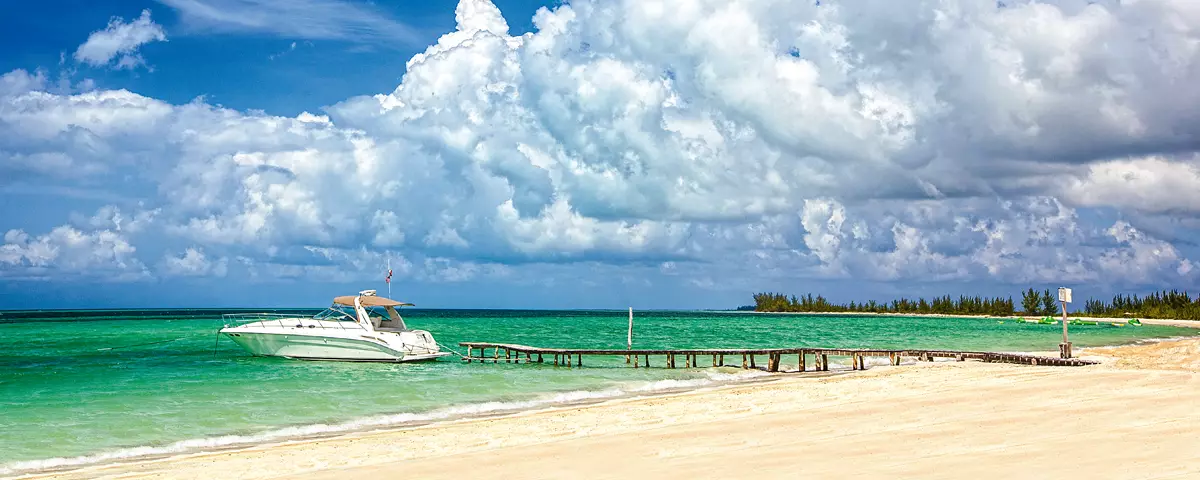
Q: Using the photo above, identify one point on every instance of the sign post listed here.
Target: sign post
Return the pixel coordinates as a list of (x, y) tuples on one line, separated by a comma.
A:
[(1064, 296)]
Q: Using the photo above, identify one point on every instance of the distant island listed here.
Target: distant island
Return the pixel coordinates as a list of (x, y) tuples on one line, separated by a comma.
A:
[(1171, 304)]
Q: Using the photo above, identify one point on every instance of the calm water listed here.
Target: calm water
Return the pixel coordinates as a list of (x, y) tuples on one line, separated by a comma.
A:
[(92, 386)]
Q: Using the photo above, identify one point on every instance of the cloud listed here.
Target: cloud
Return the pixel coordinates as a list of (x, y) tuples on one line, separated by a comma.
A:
[(194, 263), (1153, 184), (120, 41), (930, 141), (20, 81), (66, 252), (298, 19)]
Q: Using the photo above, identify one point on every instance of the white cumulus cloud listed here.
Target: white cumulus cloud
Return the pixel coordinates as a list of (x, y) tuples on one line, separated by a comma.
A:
[(193, 262), (930, 140), (120, 41)]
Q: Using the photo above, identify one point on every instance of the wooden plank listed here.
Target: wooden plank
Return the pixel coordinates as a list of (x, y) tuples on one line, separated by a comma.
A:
[(858, 356)]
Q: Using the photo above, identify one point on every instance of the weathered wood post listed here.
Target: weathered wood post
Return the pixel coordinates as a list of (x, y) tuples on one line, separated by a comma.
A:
[(752, 361), (635, 361), (802, 361), (722, 360), (714, 359), (744, 364), (824, 362)]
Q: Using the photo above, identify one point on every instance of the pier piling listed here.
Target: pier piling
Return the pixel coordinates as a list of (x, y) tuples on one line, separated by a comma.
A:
[(858, 357)]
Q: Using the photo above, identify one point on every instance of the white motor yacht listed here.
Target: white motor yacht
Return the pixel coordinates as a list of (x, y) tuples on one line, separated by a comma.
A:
[(362, 328)]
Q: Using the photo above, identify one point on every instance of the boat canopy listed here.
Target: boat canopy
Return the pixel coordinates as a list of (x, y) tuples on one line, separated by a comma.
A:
[(369, 301)]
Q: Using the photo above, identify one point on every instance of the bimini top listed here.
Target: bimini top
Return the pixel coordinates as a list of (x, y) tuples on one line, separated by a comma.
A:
[(370, 301)]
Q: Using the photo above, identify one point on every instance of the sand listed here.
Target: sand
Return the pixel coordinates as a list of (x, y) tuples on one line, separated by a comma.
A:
[(1134, 416)]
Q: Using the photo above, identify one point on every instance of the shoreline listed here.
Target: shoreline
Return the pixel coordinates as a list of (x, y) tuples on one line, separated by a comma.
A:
[(1148, 321), (187, 464), (436, 418)]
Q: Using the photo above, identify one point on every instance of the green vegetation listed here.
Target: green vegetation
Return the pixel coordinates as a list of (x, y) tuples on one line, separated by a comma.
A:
[(1165, 304), (774, 302)]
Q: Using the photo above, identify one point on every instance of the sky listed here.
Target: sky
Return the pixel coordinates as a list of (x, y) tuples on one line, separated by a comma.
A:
[(594, 154)]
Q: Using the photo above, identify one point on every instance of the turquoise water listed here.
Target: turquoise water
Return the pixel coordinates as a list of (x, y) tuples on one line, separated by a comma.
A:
[(91, 386)]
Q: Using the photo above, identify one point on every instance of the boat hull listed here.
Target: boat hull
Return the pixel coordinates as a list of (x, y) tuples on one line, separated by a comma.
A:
[(331, 344), (310, 347)]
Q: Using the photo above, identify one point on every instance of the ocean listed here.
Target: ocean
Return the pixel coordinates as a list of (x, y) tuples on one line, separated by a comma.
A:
[(82, 387)]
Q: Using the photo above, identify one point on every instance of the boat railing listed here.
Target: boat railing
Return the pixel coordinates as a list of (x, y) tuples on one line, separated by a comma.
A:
[(285, 320)]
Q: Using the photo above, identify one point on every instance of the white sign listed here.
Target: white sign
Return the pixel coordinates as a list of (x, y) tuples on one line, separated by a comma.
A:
[(1064, 294)]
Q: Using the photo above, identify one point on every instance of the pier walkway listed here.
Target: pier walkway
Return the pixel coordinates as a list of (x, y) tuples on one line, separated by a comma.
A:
[(692, 358)]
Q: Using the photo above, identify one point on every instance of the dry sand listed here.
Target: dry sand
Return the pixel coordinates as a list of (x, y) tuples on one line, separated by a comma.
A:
[(1135, 416)]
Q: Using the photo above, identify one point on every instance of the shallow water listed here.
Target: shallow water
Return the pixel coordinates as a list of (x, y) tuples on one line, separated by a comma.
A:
[(119, 384)]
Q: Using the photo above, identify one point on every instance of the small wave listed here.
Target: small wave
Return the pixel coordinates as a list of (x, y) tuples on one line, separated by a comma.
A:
[(550, 400)]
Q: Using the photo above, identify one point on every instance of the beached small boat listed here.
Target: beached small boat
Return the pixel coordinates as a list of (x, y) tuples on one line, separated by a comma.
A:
[(362, 328)]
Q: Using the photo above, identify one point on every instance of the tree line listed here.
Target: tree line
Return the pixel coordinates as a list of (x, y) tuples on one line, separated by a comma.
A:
[(1165, 304), (776, 302)]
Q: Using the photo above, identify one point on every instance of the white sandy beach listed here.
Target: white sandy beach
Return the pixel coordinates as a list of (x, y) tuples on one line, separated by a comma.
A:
[(1134, 416)]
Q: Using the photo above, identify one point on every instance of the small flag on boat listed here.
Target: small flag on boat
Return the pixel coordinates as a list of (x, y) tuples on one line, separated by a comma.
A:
[(389, 277)]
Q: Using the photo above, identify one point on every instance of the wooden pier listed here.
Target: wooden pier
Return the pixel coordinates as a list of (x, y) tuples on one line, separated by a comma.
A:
[(692, 358)]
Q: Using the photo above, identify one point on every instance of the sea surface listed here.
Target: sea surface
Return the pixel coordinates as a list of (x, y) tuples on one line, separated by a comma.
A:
[(93, 386)]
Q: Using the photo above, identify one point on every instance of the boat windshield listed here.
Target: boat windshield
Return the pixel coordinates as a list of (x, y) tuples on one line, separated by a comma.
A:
[(337, 313)]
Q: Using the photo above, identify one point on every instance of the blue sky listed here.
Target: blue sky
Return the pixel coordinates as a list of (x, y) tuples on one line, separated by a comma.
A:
[(655, 154), (238, 68)]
